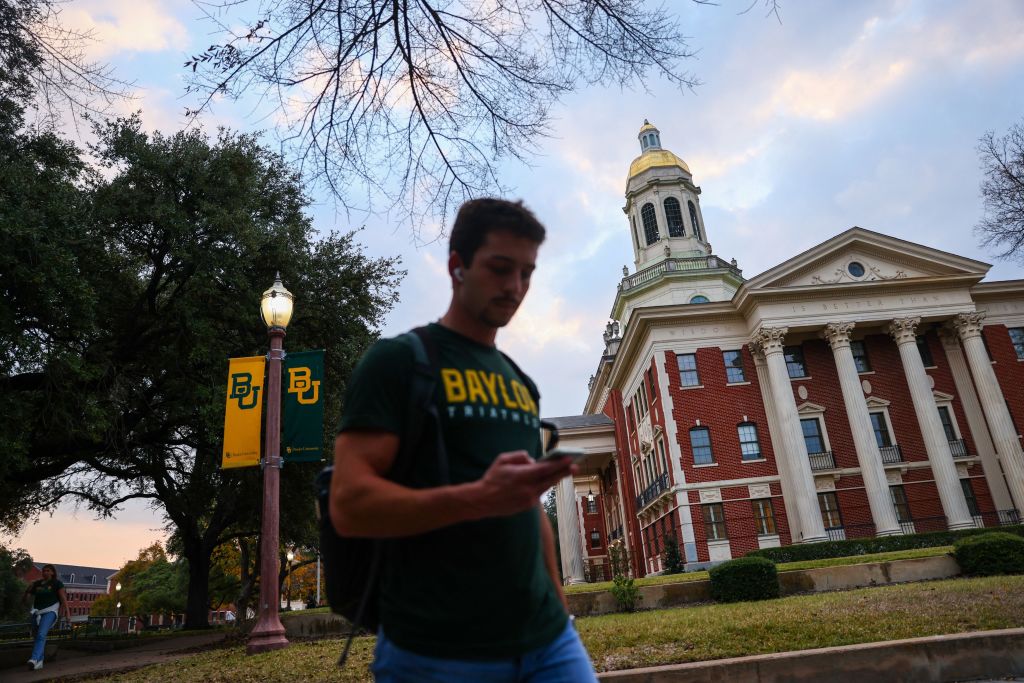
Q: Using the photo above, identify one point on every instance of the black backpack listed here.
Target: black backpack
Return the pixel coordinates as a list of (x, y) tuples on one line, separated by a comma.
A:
[(352, 566)]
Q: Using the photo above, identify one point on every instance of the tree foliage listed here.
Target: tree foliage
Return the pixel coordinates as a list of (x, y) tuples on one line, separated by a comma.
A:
[(14, 562), (418, 102), (1002, 191), (128, 308)]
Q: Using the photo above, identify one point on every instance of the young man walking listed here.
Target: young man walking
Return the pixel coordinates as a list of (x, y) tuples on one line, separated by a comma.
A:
[(470, 588)]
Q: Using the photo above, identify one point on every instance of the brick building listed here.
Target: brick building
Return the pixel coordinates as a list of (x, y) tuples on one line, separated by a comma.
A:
[(82, 585), (868, 386)]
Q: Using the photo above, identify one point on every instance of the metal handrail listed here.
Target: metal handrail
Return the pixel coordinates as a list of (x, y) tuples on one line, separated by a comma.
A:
[(958, 448), (652, 492)]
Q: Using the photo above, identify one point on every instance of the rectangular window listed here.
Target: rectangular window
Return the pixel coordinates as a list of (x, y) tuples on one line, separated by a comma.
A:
[(947, 423), (795, 361), (881, 429), (860, 356), (688, 376), (664, 457), (734, 367), (1017, 337), (591, 506), (631, 413), (700, 442), (899, 501), (812, 435), (640, 401), (972, 502), (650, 382), (829, 505), (595, 539), (714, 521), (764, 516), (926, 352), (750, 447)]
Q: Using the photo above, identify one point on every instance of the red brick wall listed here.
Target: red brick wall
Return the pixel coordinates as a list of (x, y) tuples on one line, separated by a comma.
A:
[(1009, 371), (593, 521), (623, 446)]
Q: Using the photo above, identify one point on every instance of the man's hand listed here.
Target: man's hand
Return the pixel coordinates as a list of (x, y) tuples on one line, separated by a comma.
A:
[(514, 482)]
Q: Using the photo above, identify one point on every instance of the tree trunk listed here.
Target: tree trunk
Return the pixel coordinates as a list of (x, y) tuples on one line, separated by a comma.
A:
[(247, 579), (197, 609)]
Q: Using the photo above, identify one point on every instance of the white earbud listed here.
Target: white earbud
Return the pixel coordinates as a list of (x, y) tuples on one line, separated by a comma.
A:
[(458, 274)]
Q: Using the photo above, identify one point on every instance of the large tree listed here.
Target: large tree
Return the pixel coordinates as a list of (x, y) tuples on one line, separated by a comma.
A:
[(1002, 190), (417, 101), (117, 366)]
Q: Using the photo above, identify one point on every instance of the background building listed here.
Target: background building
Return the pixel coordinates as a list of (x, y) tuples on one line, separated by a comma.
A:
[(82, 585), (867, 386)]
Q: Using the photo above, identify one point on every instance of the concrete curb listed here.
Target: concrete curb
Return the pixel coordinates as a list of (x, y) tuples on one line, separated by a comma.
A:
[(934, 659)]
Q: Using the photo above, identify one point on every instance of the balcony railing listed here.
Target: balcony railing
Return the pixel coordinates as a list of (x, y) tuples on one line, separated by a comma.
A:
[(1008, 517), (836, 533), (676, 265), (958, 448), (615, 534), (891, 454), (822, 461), (652, 492)]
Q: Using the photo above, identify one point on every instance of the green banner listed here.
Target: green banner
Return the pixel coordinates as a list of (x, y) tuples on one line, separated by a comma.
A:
[(302, 434)]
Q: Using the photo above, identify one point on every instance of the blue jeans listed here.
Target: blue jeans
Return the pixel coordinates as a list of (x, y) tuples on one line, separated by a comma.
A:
[(44, 622), (564, 660)]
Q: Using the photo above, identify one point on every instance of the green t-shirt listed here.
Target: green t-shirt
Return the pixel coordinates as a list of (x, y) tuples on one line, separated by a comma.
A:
[(476, 590), (45, 593)]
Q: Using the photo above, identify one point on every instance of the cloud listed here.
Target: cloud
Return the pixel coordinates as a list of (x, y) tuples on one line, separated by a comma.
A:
[(126, 25)]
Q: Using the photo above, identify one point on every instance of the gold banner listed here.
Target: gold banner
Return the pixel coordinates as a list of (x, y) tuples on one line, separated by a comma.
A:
[(244, 408)]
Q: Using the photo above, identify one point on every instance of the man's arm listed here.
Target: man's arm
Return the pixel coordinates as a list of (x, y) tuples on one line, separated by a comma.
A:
[(547, 538), (365, 503)]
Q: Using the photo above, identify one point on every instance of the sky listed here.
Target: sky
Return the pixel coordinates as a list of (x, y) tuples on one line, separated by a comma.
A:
[(835, 114)]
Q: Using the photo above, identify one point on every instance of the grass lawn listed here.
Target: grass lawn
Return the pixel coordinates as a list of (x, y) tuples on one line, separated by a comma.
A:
[(622, 641), (784, 567)]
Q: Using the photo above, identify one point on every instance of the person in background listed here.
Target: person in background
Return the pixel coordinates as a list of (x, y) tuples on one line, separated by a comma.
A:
[(48, 601)]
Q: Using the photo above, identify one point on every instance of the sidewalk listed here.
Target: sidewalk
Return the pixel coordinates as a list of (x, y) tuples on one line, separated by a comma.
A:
[(70, 663)]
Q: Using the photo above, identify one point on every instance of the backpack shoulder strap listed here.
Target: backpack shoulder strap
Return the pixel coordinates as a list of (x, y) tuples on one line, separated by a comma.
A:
[(423, 417)]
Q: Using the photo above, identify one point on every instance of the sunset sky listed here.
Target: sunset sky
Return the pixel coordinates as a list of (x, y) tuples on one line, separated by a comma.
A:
[(845, 113)]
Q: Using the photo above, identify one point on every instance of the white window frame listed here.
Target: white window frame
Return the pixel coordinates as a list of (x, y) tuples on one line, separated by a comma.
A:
[(808, 410), (946, 401), (878, 405)]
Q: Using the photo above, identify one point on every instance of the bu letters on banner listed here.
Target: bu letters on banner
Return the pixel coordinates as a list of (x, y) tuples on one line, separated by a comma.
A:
[(243, 413), (303, 430)]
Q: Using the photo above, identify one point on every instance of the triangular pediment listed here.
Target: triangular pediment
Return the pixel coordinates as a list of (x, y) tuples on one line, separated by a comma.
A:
[(860, 257)]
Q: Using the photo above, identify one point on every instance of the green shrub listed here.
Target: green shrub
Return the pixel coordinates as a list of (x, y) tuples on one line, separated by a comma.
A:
[(992, 553), (625, 593), (748, 578), (869, 546), (671, 558)]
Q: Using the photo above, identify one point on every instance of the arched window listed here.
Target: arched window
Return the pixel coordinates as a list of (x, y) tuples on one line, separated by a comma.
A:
[(693, 219), (674, 216), (699, 299), (650, 223)]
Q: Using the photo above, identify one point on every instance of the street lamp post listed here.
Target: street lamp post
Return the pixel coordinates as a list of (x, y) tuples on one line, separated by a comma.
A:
[(117, 614), (268, 633)]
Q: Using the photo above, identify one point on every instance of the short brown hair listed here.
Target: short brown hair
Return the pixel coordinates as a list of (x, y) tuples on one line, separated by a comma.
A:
[(479, 217)]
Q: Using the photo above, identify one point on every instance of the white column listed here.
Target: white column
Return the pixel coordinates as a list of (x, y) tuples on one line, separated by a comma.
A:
[(569, 532), (770, 341), (993, 405), (872, 471), (789, 490), (947, 481), (975, 418)]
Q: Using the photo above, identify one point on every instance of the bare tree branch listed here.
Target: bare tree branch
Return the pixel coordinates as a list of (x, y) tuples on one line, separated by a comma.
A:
[(412, 105), (1002, 191)]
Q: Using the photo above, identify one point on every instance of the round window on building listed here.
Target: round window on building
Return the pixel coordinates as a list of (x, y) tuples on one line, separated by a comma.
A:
[(699, 299), (856, 269)]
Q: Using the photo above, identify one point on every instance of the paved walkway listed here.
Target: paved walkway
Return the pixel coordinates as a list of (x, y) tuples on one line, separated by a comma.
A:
[(72, 663)]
